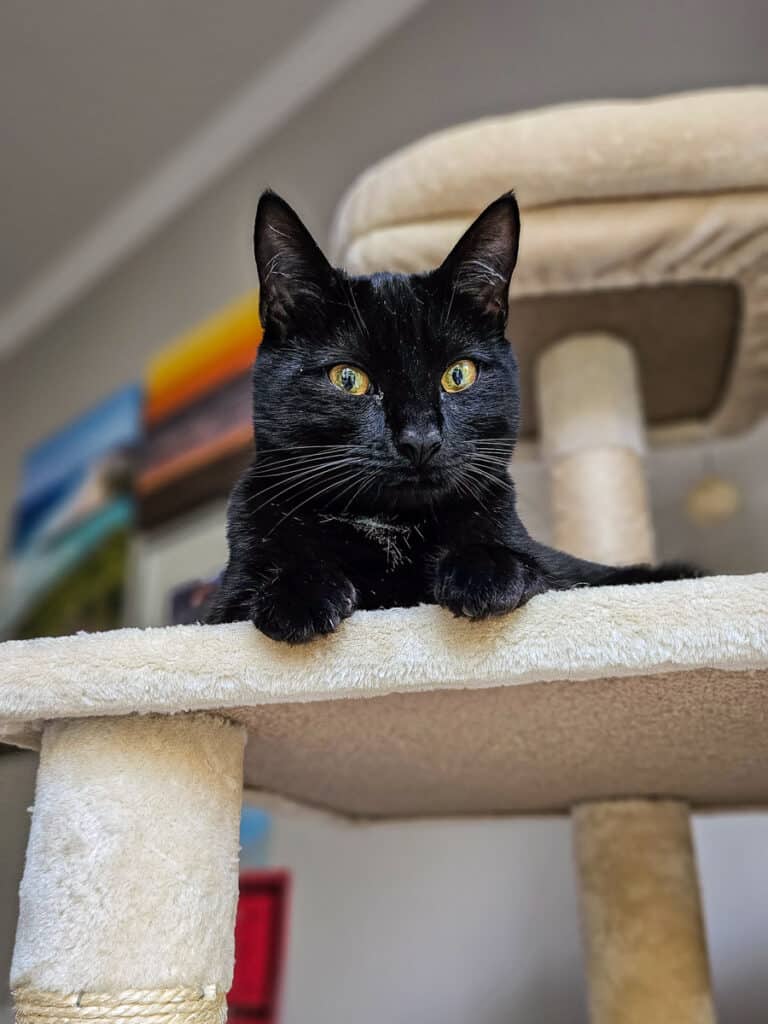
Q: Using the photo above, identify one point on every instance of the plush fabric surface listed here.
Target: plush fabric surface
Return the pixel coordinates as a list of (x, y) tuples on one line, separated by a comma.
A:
[(615, 691), (709, 141), (132, 864), (616, 197), (642, 914)]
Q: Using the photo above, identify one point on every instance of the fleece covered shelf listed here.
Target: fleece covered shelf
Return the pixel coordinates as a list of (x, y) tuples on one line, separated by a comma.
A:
[(589, 694)]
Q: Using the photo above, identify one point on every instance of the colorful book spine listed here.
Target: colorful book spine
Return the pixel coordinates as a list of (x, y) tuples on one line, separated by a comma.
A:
[(198, 414)]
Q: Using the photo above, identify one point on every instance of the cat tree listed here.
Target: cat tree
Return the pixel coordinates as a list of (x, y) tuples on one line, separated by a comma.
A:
[(643, 279), (624, 706)]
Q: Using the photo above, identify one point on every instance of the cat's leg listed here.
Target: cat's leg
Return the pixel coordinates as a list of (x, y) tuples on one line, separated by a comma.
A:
[(485, 578), (479, 569), (284, 574), (283, 585), (291, 599), (485, 575), (302, 600), (230, 600), (565, 571)]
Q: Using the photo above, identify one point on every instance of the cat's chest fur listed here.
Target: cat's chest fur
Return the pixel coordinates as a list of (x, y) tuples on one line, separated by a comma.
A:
[(386, 556)]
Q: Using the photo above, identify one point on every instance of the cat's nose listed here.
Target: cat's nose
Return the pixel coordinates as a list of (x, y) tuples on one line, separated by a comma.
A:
[(419, 446)]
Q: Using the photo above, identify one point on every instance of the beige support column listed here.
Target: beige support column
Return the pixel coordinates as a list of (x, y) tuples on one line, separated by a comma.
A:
[(646, 949), (645, 945), (130, 885), (593, 438)]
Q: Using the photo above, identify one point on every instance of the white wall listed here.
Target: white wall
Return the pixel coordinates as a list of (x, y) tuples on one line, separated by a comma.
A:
[(478, 921), (434, 921)]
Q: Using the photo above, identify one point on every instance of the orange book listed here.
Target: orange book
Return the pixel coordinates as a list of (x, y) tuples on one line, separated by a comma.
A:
[(202, 359)]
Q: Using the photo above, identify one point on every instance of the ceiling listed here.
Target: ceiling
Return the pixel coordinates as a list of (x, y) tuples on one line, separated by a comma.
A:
[(94, 95), (116, 115)]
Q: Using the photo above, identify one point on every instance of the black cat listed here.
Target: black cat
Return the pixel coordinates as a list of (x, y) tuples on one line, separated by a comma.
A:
[(385, 415)]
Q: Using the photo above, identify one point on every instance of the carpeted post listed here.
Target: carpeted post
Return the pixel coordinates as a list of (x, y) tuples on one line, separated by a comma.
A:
[(130, 886), (646, 952), (645, 948)]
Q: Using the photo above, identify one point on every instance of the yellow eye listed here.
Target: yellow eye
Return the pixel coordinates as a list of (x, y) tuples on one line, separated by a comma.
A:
[(459, 376), (351, 379)]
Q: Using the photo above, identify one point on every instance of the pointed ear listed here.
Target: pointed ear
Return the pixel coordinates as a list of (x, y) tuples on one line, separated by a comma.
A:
[(480, 265), (293, 273)]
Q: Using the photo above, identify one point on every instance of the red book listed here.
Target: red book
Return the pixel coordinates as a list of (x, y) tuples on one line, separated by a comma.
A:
[(260, 937)]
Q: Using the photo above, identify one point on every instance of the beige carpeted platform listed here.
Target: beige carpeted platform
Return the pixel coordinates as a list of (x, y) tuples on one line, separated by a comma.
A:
[(659, 689)]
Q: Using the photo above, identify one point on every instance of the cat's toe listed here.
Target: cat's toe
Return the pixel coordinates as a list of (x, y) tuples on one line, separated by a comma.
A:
[(297, 607), (482, 581)]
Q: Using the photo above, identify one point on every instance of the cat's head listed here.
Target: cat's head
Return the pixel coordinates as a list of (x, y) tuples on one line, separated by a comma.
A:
[(395, 388)]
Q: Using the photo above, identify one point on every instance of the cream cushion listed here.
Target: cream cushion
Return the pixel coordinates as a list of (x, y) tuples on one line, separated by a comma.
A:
[(587, 694), (646, 218), (712, 141)]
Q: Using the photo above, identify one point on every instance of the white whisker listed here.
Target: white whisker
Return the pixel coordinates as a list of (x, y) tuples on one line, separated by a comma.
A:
[(298, 481), (315, 494), (483, 474), (366, 480), (297, 447), (287, 466)]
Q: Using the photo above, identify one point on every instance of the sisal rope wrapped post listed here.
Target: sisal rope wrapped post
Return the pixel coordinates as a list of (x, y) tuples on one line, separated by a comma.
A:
[(128, 899), (645, 946), (150, 1006)]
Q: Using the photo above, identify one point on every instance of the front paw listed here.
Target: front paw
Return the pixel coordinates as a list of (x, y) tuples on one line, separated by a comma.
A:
[(485, 579), (300, 604)]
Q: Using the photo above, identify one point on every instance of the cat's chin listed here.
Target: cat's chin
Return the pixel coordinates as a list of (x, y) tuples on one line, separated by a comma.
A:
[(412, 492)]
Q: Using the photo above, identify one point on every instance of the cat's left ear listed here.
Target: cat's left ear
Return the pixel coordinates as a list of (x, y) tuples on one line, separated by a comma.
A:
[(294, 275), (480, 265)]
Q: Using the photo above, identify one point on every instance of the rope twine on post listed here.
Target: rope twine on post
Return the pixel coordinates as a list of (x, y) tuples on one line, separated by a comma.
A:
[(147, 1006)]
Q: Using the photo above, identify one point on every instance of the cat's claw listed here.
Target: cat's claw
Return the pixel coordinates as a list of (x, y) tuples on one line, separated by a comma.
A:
[(301, 604), (483, 580)]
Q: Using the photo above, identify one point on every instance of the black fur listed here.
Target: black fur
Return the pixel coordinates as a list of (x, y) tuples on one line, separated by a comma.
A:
[(402, 495)]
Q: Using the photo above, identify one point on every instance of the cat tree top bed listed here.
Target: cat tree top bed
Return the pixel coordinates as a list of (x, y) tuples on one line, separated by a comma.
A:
[(646, 219), (579, 695)]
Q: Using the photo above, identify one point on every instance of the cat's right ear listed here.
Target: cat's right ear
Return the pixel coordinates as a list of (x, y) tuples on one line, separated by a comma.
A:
[(480, 265), (294, 275)]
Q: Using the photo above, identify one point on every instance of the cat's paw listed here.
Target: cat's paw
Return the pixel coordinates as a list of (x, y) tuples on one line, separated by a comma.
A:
[(485, 579), (300, 604)]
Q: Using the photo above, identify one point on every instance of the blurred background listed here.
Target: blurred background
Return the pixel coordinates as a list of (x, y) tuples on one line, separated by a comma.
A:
[(136, 138)]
